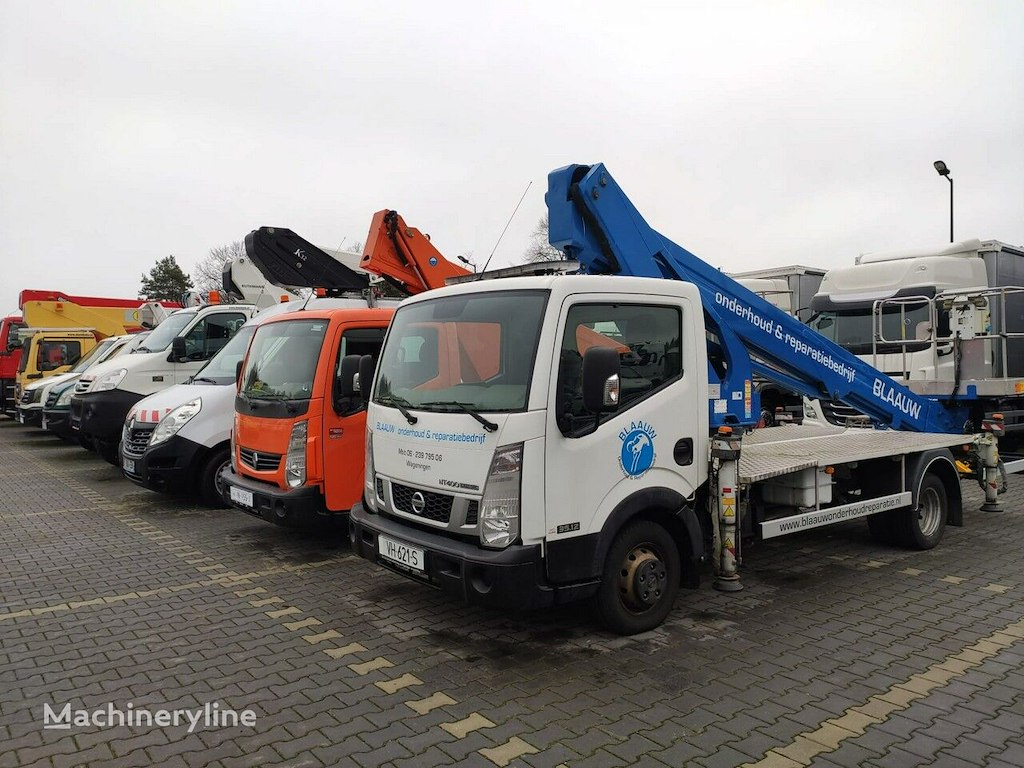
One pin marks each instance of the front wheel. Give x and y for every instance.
(922, 527)
(640, 579)
(211, 488)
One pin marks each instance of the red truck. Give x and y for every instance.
(10, 356)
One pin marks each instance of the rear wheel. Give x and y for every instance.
(921, 527)
(211, 488)
(640, 579)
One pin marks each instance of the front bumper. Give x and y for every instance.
(58, 421)
(100, 415)
(296, 507)
(169, 467)
(511, 578)
(29, 415)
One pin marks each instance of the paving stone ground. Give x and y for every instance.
(838, 652)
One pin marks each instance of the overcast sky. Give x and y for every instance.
(753, 133)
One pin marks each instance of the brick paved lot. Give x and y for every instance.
(839, 652)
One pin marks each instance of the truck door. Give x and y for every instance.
(344, 427)
(205, 339)
(649, 441)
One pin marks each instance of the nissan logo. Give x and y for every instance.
(418, 503)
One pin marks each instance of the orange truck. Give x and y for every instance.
(297, 445)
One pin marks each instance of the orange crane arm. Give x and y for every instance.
(404, 256)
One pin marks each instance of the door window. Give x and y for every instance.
(358, 341)
(647, 338)
(51, 355)
(209, 335)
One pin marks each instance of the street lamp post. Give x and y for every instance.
(944, 171)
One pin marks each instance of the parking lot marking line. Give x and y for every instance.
(345, 650)
(253, 591)
(289, 611)
(367, 667)
(953, 579)
(330, 634)
(265, 601)
(462, 728)
(71, 605)
(912, 571)
(997, 588)
(504, 754)
(405, 681)
(291, 626)
(214, 567)
(432, 702)
(856, 720)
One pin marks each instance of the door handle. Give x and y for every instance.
(683, 452)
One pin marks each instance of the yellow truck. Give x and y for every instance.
(59, 328)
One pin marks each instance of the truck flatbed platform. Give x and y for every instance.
(788, 448)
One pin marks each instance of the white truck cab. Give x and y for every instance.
(172, 354)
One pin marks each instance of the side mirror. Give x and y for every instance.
(367, 366)
(347, 384)
(179, 352)
(238, 371)
(600, 379)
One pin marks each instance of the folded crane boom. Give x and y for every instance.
(591, 220)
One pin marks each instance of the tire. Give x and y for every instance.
(922, 527)
(110, 452)
(640, 579)
(209, 487)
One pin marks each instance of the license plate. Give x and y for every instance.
(242, 496)
(402, 554)
(21, 416)
(129, 465)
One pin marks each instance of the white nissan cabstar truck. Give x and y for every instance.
(535, 440)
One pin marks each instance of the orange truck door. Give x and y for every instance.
(344, 430)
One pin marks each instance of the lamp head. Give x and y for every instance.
(941, 168)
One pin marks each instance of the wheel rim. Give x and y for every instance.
(643, 578)
(218, 485)
(929, 511)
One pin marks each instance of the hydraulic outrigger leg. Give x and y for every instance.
(725, 454)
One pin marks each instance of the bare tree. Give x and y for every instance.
(207, 272)
(539, 248)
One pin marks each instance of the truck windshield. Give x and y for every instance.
(221, 368)
(160, 339)
(471, 351)
(282, 360)
(853, 328)
(92, 356)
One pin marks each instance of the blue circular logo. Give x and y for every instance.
(433, 261)
(637, 452)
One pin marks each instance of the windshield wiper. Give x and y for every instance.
(141, 349)
(401, 404)
(490, 426)
(204, 378)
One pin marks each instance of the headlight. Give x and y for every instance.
(108, 381)
(175, 420)
(369, 480)
(499, 507)
(295, 460)
(234, 461)
(64, 401)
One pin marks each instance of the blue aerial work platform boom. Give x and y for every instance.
(592, 221)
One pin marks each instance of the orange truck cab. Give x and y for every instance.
(297, 446)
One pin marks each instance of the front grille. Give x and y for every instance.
(82, 385)
(30, 396)
(471, 512)
(261, 461)
(138, 438)
(380, 488)
(436, 506)
(842, 414)
(51, 399)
